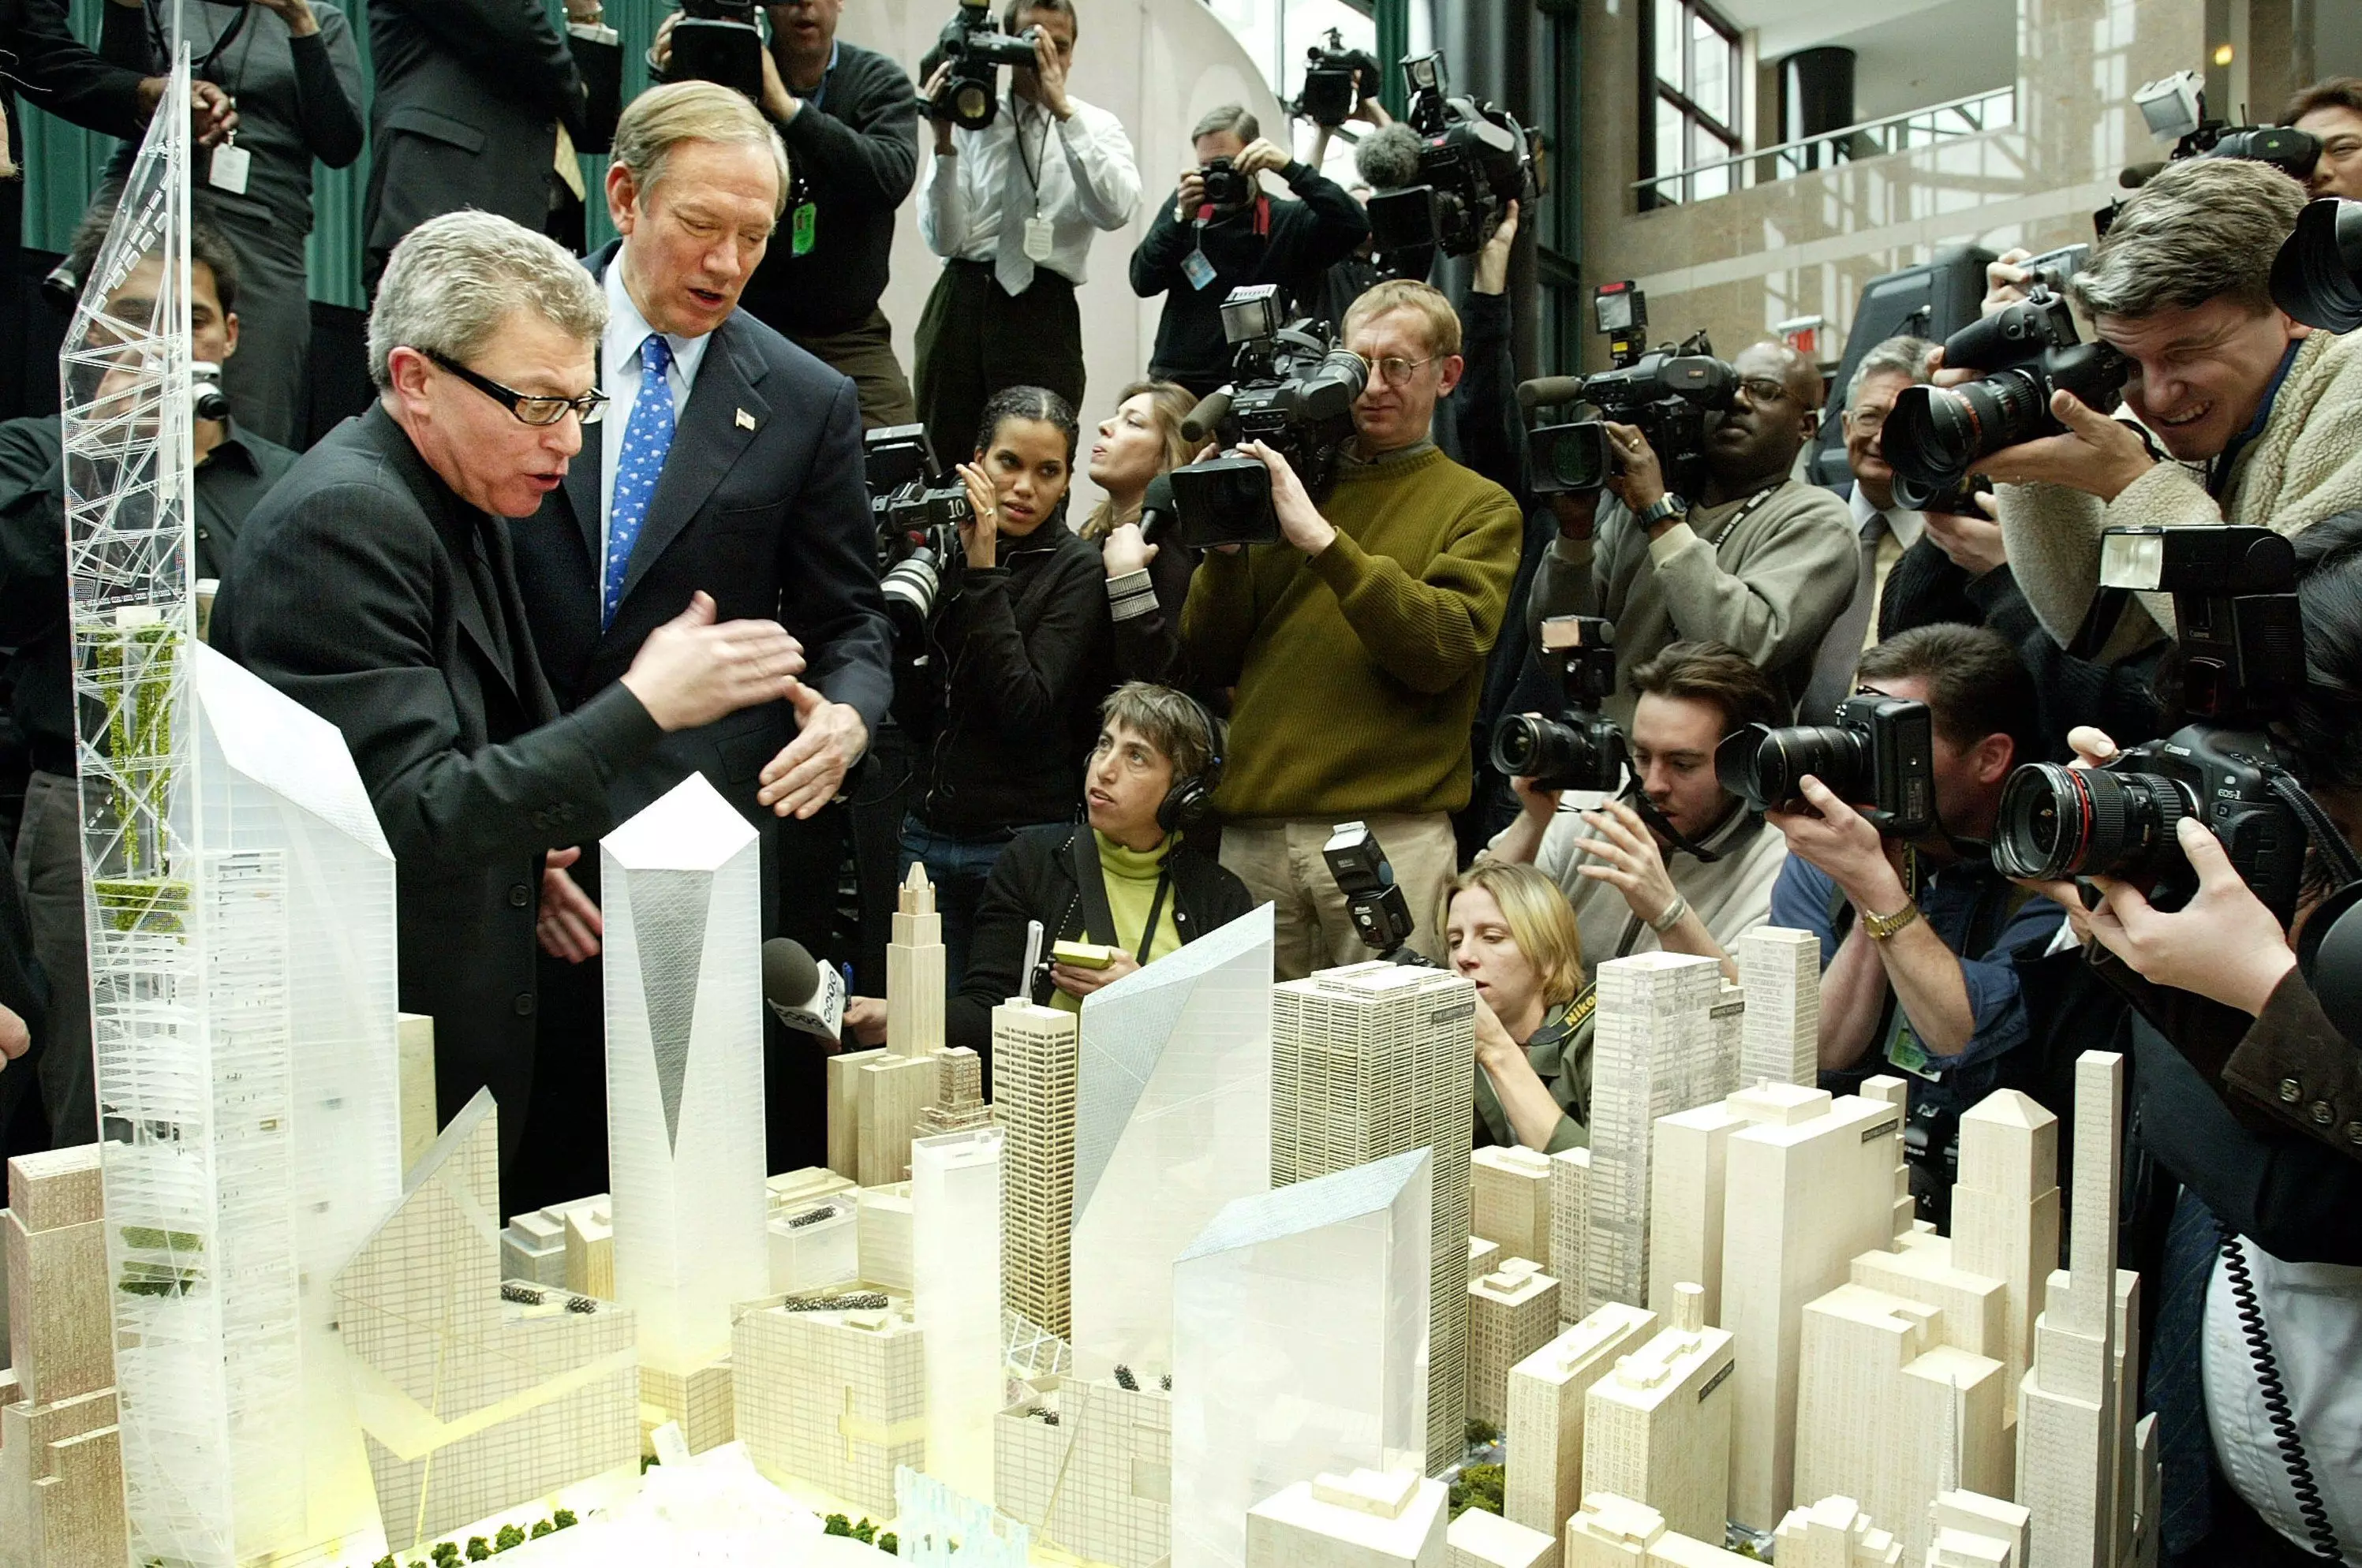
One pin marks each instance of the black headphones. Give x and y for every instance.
(1191, 799)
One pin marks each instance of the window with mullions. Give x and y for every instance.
(1693, 99)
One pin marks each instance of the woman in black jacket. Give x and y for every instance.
(1021, 648)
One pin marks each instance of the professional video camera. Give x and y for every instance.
(1294, 392)
(918, 511)
(716, 40)
(1935, 435)
(1878, 754)
(977, 48)
(1380, 915)
(1474, 159)
(2242, 646)
(1579, 750)
(2317, 276)
(1666, 391)
(2174, 108)
(1336, 78)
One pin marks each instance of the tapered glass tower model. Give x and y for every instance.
(683, 892)
(240, 920)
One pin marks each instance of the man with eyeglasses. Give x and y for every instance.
(375, 586)
(1758, 559)
(1356, 643)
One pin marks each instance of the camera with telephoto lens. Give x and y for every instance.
(917, 512)
(1294, 392)
(1879, 754)
(1336, 78)
(2317, 276)
(1225, 186)
(1380, 915)
(977, 48)
(1935, 437)
(716, 40)
(1474, 159)
(2241, 641)
(1579, 750)
(1666, 391)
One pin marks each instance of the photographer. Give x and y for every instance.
(1216, 238)
(1512, 935)
(1021, 646)
(1012, 210)
(1760, 561)
(2332, 110)
(1691, 873)
(1918, 940)
(1357, 644)
(2254, 412)
(1147, 583)
(850, 121)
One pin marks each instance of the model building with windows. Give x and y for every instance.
(1658, 1428)
(833, 1390)
(956, 1297)
(1368, 1519)
(876, 1098)
(1035, 1053)
(1088, 1463)
(1512, 1312)
(1546, 1394)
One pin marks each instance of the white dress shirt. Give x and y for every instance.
(1903, 531)
(619, 362)
(1085, 180)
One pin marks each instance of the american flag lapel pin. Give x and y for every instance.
(745, 420)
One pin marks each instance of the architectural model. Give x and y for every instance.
(1099, 1480)
(956, 1294)
(681, 890)
(1780, 971)
(1972, 1531)
(959, 1094)
(1482, 1257)
(1544, 1479)
(1172, 1121)
(1688, 1164)
(939, 1524)
(1367, 1520)
(1654, 1044)
(1371, 1060)
(1570, 1227)
(1036, 1056)
(1658, 1428)
(1512, 1312)
(61, 1453)
(533, 1247)
(591, 1253)
(814, 1244)
(2005, 1217)
(831, 1391)
(1300, 1327)
(476, 1396)
(1479, 1539)
(882, 1226)
(876, 1098)
(413, 1036)
(1836, 1533)
(1510, 1200)
(1613, 1531)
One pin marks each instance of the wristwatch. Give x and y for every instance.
(1882, 926)
(1664, 506)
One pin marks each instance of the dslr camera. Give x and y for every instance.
(2241, 641)
(1294, 392)
(1667, 392)
(1474, 159)
(1935, 435)
(1336, 78)
(918, 510)
(716, 40)
(977, 48)
(1225, 186)
(2317, 276)
(1579, 750)
(1879, 754)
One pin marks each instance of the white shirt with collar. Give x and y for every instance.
(619, 363)
(1903, 531)
(1086, 182)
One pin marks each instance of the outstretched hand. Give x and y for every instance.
(569, 925)
(810, 770)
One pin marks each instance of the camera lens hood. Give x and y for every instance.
(2317, 276)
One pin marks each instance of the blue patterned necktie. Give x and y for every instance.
(647, 436)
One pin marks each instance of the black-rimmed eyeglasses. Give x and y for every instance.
(528, 408)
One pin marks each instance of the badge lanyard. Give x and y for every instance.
(1194, 267)
(1155, 908)
(804, 222)
(1038, 229)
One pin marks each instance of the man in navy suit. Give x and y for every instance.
(731, 462)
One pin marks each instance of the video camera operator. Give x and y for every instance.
(1223, 231)
(1357, 642)
(2332, 110)
(1687, 867)
(1758, 559)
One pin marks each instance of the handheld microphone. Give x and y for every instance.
(1388, 157)
(1156, 512)
(801, 992)
(1207, 418)
(1544, 391)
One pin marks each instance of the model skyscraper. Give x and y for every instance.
(1544, 1481)
(1509, 1201)
(1099, 1480)
(1512, 1312)
(876, 1098)
(1367, 1520)
(955, 1294)
(1658, 1428)
(832, 1393)
(1371, 1060)
(682, 888)
(1036, 1052)
(1779, 1039)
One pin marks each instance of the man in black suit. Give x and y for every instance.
(375, 586)
(732, 463)
(481, 104)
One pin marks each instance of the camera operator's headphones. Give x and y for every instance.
(1190, 801)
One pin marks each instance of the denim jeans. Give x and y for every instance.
(959, 869)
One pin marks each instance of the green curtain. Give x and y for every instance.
(63, 163)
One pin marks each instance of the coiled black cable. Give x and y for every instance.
(2274, 1394)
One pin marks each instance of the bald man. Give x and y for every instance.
(1758, 558)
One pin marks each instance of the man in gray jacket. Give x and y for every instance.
(1760, 561)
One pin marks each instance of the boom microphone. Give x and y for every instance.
(1206, 418)
(802, 993)
(1549, 392)
(1388, 157)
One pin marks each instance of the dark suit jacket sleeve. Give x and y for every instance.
(1491, 429)
(2295, 1042)
(521, 52)
(65, 79)
(328, 90)
(829, 596)
(872, 158)
(600, 66)
(336, 608)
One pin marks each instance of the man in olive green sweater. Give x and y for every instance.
(1357, 645)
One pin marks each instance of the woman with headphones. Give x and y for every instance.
(1126, 880)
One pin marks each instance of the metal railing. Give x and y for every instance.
(1939, 123)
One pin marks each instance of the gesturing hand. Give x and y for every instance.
(1628, 859)
(692, 671)
(980, 534)
(810, 770)
(569, 925)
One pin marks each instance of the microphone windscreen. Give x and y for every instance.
(791, 974)
(1549, 390)
(1158, 498)
(1207, 418)
(1388, 157)
(2138, 174)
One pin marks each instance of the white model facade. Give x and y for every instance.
(956, 1295)
(1779, 969)
(1036, 1053)
(1543, 1484)
(1367, 1520)
(1655, 1042)
(1658, 1428)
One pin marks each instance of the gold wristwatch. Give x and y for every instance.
(1882, 926)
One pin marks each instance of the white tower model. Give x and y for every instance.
(1655, 1041)
(956, 1292)
(241, 919)
(683, 896)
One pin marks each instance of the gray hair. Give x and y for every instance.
(2203, 228)
(1905, 356)
(661, 119)
(455, 278)
(1231, 117)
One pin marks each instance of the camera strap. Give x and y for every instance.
(1745, 507)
